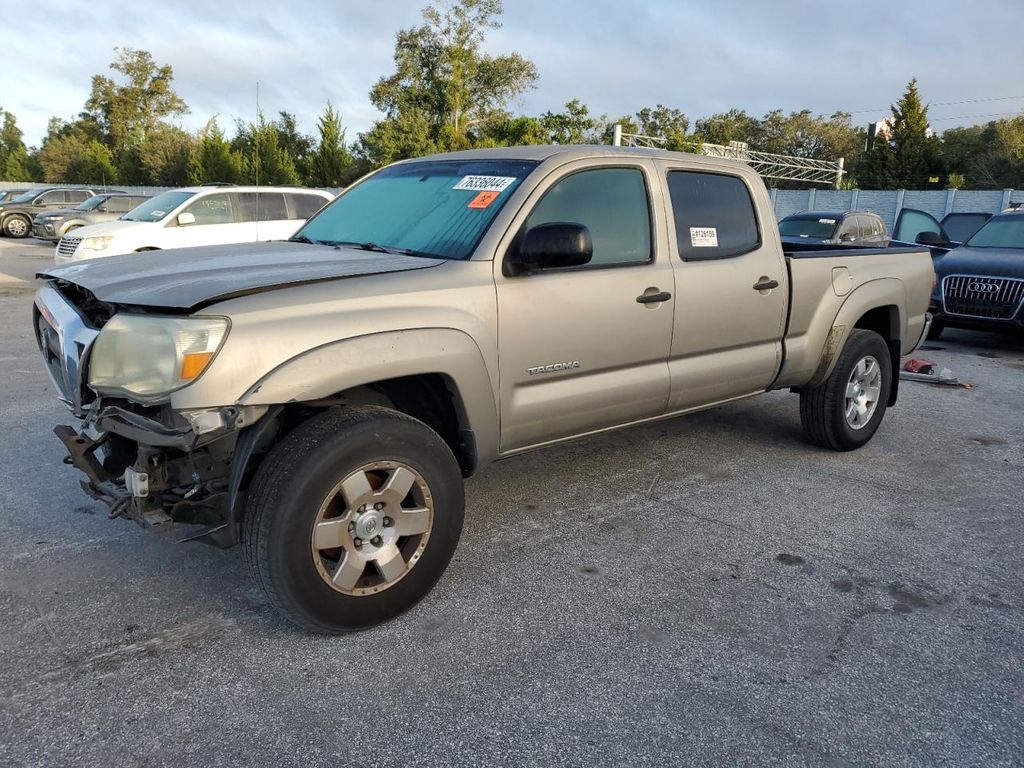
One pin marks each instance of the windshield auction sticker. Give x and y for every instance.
(703, 237)
(485, 183)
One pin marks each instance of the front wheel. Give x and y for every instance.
(935, 331)
(844, 411)
(352, 518)
(17, 226)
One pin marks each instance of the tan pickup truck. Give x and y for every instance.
(320, 400)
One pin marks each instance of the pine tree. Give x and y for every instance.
(330, 164)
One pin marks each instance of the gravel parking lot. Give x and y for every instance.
(708, 590)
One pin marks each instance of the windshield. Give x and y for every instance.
(92, 202)
(157, 208)
(1000, 232)
(823, 227)
(26, 197)
(432, 208)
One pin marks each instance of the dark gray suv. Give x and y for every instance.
(834, 228)
(16, 215)
(53, 225)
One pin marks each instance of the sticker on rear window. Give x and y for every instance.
(483, 199)
(826, 221)
(485, 183)
(703, 237)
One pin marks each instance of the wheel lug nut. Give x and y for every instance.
(379, 506)
(388, 522)
(358, 542)
(376, 541)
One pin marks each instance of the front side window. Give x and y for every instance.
(912, 223)
(117, 204)
(433, 207)
(51, 198)
(611, 203)
(212, 209)
(714, 215)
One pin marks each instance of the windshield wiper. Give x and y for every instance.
(303, 239)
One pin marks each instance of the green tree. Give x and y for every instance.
(14, 159)
(297, 145)
(214, 160)
(669, 124)
(330, 164)
(573, 126)
(721, 128)
(265, 160)
(72, 158)
(167, 156)
(909, 154)
(125, 112)
(445, 93)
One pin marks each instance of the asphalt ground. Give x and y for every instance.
(704, 591)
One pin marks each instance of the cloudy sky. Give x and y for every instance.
(699, 56)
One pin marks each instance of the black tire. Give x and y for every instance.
(299, 474)
(17, 226)
(935, 331)
(822, 409)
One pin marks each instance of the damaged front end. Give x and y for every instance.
(146, 461)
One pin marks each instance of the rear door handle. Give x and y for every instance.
(766, 285)
(653, 298)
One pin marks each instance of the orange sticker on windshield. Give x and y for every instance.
(483, 199)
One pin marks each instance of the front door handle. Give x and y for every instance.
(766, 285)
(653, 298)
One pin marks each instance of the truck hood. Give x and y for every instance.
(995, 262)
(189, 278)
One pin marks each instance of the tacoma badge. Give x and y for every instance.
(553, 367)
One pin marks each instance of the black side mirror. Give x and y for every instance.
(846, 237)
(931, 239)
(550, 246)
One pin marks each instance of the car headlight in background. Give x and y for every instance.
(150, 356)
(96, 243)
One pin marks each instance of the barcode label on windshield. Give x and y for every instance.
(703, 237)
(485, 183)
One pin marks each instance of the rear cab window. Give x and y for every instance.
(714, 215)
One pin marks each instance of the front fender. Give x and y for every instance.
(341, 365)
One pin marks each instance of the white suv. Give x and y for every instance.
(191, 216)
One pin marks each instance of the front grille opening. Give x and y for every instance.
(988, 298)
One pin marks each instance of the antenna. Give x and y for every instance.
(256, 150)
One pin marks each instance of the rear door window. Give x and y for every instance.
(304, 206)
(261, 206)
(77, 195)
(714, 215)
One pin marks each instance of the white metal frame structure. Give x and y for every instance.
(767, 164)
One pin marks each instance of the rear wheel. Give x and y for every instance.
(17, 226)
(352, 518)
(844, 411)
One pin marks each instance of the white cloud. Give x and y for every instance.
(617, 57)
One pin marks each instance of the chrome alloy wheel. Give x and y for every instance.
(862, 392)
(372, 528)
(17, 227)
